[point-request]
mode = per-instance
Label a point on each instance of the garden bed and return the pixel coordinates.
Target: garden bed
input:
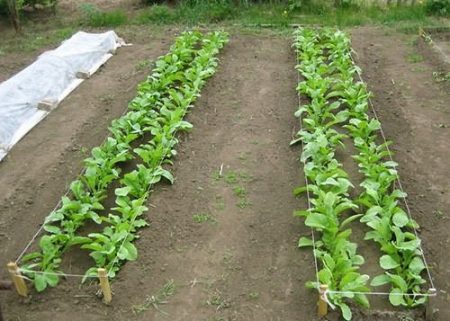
(224, 232)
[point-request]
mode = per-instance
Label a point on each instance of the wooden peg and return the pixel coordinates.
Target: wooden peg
(104, 285)
(430, 307)
(322, 305)
(17, 279)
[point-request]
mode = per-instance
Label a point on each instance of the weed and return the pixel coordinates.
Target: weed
(253, 295)
(441, 76)
(154, 301)
(107, 99)
(439, 214)
(243, 156)
(94, 17)
(157, 14)
(245, 177)
(231, 177)
(243, 203)
(217, 175)
(201, 218)
(218, 300)
(227, 257)
(240, 191)
(220, 203)
(143, 64)
(414, 58)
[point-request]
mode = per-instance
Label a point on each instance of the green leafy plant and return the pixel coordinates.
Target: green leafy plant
(158, 110)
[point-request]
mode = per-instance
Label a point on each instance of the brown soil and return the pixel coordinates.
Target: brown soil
(242, 264)
(438, 51)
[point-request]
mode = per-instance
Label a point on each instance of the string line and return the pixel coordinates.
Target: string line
(316, 264)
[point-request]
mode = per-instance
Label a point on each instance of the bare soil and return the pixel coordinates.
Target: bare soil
(241, 264)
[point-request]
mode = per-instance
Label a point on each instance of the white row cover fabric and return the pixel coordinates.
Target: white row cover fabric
(49, 79)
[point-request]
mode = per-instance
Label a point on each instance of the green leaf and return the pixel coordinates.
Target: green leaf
(31, 256)
(122, 191)
(380, 280)
(301, 213)
(387, 262)
(304, 241)
(299, 190)
(396, 298)
(400, 219)
(127, 252)
(52, 229)
(167, 175)
(79, 240)
(325, 276)
(350, 219)
(362, 300)
(40, 282)
(140, 223)
(416, 266)
(399, 282)
(316, 220)
(346, 312)
(52, 279)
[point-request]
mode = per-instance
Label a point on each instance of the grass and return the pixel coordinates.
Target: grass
(240, 191)
(155, 301)
(202, 218)
(220, 203)
(243, 203)
(44, 32)
(94, 17)
(231, 177)
(143, 65)
(34, 40)
(414, 58)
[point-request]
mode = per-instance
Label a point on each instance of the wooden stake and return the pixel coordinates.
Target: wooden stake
(104, 285)
(322, 305)
(17, 279)
(430, 307)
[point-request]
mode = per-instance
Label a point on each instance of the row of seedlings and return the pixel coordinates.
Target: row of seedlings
(158, 110)
(327, 183)
(391, 227)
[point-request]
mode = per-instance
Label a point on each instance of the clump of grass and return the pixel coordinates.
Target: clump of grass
(231, 177)
(157, 14)
(94, 17)
(240, 191)
(414, 58)
(154, 301)
(202, 218)
(243, 203)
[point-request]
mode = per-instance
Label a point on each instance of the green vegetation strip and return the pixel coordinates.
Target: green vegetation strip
(328, 183)
(336, 99)
(158, 110)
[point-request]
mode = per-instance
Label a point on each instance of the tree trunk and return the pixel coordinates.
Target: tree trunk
(14, 15)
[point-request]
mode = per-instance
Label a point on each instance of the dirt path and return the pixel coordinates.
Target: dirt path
(243, 264)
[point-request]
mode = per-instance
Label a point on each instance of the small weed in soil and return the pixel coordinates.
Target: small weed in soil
(202, 218)
(231, 177)
(240, 191)
(414, 58)
(154, 301)
(243, 203)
